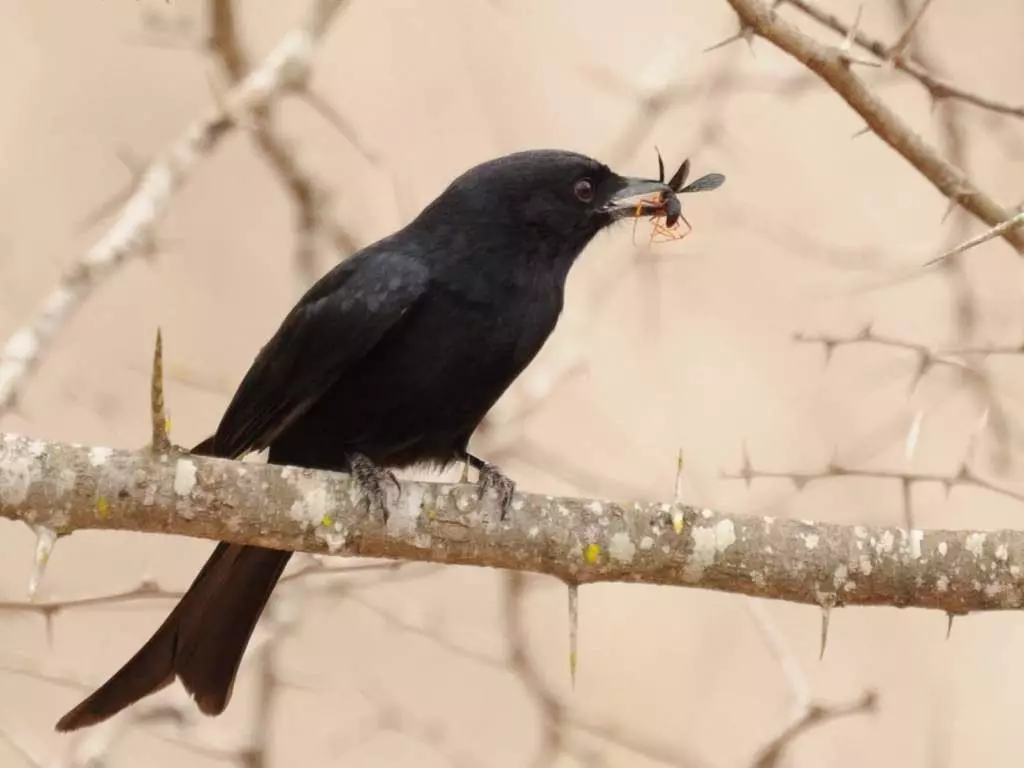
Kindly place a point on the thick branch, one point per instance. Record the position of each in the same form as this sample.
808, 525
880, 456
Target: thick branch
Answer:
134, 232
833, 66
68, 487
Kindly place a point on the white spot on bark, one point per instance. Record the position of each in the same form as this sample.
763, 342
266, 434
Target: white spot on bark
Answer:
992, 590
916, 537
810, 540
706, 513
15, 479
943, 548
840, 576
1002, 553
37, 448
707, 543
646, 543
759, 578
596, 507
886, 543
865, 565
184, 477
98, 455
860, 531
312, 506
942, 583
621, 548
975, 542
534, 532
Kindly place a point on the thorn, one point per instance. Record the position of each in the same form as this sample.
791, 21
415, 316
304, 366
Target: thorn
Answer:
908, 508
678, 488
949, 622
574, 618
747, 469
746, 33
161, 441
851, 33
913, 434
952, 205
829, 347
924, 364
800, 481
826, 616
45, 540
48, 628
865, 130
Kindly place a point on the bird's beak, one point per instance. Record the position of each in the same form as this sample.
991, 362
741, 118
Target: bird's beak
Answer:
637, 197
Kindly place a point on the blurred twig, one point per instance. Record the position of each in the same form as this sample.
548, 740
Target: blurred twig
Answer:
285, 68
818, 714
308, 195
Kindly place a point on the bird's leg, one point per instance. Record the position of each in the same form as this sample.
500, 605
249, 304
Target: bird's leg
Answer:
492, 477
372, 479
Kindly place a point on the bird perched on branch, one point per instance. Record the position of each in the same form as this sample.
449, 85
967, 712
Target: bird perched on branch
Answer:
391, 359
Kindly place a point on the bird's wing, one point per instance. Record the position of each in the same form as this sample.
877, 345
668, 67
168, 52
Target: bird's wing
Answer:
339, 320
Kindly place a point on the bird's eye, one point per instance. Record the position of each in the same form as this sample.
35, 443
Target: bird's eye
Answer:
584, 190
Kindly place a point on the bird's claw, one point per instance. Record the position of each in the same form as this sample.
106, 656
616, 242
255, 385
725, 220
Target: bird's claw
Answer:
504, 487
371, 479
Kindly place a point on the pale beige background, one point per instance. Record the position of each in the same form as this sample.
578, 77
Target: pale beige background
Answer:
689, 347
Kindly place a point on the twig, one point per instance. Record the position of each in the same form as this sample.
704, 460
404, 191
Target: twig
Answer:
134, 232
964, 477
830, 64
771, 756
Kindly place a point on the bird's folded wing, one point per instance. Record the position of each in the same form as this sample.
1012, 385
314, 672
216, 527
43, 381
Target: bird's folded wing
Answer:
340, 319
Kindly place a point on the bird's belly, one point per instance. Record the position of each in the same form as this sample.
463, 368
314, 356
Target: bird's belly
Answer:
418, 397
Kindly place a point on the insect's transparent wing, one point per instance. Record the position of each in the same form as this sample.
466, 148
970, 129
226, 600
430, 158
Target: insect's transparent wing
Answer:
704, 183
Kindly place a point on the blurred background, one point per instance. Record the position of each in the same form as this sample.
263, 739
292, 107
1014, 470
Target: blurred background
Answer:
692, 345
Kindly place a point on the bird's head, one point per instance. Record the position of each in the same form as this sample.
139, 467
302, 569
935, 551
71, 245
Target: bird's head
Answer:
550, 200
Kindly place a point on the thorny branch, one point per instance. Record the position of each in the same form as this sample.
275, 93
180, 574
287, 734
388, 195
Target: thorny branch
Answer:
66, 488
134, 232
937, 87
833, 65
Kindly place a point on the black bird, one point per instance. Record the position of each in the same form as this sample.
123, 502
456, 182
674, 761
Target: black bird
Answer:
391, 359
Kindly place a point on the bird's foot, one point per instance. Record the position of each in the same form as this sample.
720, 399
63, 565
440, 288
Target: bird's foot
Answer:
372, 480
492, 478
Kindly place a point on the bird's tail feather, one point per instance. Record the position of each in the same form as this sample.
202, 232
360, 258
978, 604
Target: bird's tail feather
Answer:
203, 639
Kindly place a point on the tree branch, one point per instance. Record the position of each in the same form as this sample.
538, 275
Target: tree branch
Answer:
833, 66
134, 233
70, 487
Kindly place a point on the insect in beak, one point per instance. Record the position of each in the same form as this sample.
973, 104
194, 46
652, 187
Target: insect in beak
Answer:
667, 204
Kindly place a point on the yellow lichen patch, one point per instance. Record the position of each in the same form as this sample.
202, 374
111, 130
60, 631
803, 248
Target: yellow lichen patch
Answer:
678, 521
102, 506
591, 553
327, 521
